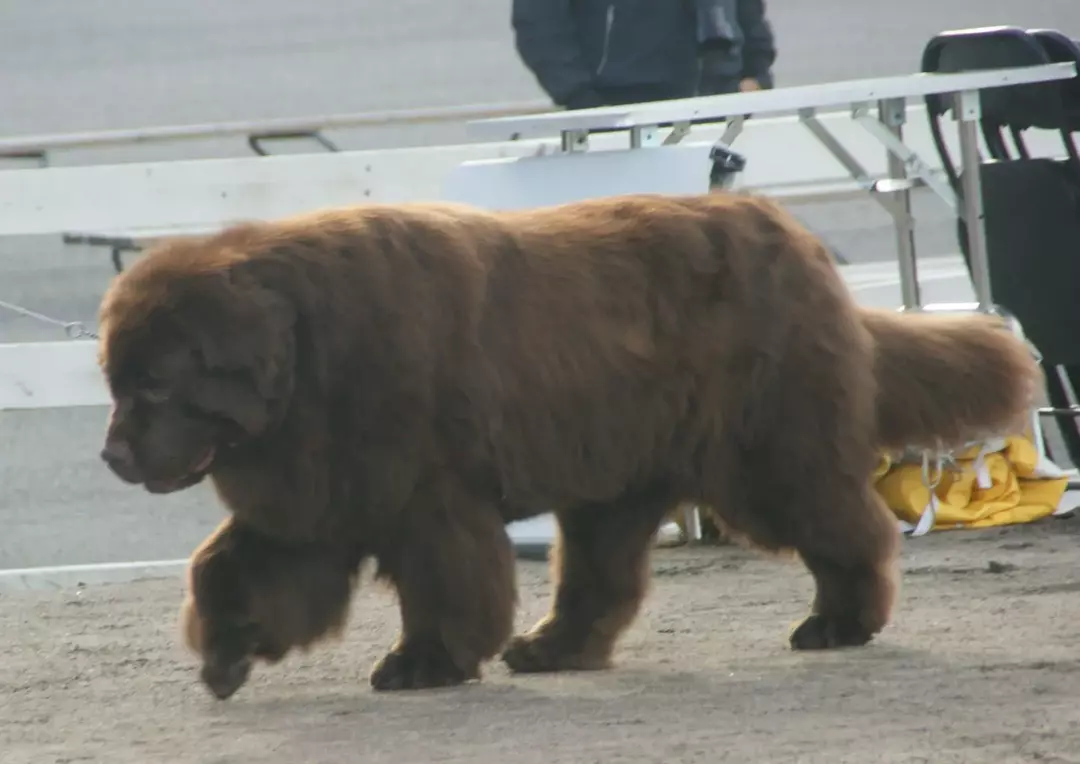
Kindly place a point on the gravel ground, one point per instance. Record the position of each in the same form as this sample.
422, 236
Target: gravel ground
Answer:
979, 665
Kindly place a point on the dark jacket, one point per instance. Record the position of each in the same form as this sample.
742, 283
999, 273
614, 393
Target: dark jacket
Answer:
736, 42
595, 52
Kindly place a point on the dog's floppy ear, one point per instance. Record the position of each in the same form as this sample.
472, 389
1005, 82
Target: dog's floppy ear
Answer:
256, 336
247, 345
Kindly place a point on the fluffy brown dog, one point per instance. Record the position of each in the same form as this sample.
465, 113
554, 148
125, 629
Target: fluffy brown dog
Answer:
398, 382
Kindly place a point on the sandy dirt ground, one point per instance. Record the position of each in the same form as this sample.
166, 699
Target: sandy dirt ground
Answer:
981, 664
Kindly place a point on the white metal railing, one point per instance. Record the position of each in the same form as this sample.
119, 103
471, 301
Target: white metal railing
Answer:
289, 127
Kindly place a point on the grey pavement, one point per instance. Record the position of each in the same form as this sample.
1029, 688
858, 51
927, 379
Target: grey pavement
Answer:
101, 64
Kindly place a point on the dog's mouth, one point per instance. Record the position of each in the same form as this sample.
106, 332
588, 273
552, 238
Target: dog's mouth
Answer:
194, 474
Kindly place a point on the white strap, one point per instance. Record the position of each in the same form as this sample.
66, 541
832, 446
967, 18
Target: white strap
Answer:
926, 519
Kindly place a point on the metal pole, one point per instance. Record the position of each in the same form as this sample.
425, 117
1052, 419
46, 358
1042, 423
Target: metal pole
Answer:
892, 113
967, 111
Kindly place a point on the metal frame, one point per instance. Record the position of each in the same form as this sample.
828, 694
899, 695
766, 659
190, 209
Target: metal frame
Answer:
889, 94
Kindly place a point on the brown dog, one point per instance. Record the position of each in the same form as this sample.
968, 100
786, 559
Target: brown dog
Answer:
396, 383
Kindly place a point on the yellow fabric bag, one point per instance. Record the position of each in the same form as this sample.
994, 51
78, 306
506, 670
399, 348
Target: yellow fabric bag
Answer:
1000, 482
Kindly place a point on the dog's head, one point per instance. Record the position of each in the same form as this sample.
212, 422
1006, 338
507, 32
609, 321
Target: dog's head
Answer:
251, 598
198, 354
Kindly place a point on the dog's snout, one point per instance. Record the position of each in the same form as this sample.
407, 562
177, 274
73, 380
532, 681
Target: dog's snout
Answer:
117, 453
120, 458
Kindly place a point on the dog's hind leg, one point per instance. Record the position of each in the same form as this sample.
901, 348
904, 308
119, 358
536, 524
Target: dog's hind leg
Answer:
851, 549
800, 479
788, 463
819, 507
600, 570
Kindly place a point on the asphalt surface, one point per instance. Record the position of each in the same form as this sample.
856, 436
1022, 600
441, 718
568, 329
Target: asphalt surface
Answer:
100, 64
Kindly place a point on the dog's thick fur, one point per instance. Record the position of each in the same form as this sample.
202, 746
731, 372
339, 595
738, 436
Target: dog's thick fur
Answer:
398, 382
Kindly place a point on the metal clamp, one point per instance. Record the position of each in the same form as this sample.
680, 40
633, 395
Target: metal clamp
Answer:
255, 139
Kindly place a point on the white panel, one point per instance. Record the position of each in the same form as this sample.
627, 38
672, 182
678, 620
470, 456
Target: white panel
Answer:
38, 375
535, 181
533, 536
214, 191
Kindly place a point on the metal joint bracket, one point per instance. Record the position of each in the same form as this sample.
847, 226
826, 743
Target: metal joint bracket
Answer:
733, 130
574, 140
809, 119
966, 105
643, 136
39, 158
860, 109
880, 192
892, 112
679, 130
912, 163
255, 140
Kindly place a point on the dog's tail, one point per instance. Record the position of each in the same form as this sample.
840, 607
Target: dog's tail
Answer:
949, 379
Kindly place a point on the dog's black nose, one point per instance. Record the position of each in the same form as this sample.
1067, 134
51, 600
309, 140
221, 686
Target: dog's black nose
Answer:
118, 455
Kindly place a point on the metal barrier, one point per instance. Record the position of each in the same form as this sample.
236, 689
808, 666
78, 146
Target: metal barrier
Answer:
256, 131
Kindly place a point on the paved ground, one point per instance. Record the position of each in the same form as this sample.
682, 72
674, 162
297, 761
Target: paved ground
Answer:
101, 64
979, 667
